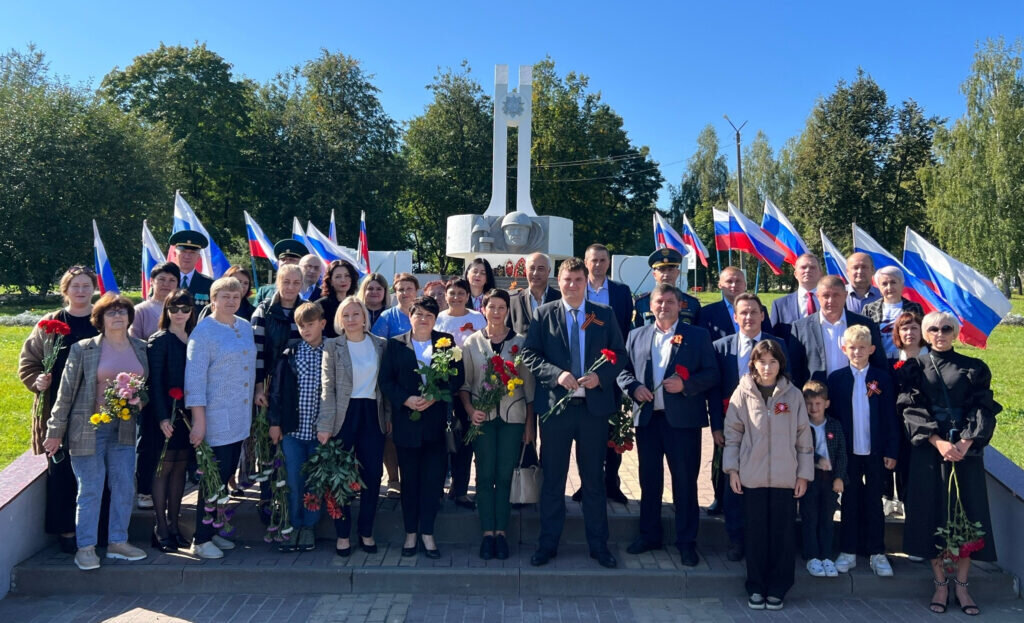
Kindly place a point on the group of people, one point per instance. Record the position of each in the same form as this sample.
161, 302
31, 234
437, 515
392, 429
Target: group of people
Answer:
805, 402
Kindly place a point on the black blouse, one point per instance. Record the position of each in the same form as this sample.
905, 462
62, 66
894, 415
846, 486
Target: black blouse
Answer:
167, 355
81, 329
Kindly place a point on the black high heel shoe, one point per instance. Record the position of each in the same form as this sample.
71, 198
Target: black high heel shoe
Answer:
181, 541
971, 610
164, 545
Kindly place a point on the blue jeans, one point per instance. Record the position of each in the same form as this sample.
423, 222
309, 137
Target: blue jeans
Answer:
296, 452
113, 463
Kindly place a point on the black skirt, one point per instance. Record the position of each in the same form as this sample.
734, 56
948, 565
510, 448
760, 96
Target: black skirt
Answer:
926, 501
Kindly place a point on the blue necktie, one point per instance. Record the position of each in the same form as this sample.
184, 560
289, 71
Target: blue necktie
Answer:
574, 345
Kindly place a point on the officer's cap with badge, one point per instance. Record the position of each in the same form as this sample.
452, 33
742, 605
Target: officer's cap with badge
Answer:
188, 239
290, 248
666, 257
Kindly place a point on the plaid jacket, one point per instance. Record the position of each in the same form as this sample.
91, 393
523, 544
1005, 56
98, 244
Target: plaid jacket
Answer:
836, 442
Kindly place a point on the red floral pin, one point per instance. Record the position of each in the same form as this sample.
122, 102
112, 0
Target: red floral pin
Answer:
683, 372
677, 339
781, 408
830, 436
873, 389
591, 318
899, 364
515, 349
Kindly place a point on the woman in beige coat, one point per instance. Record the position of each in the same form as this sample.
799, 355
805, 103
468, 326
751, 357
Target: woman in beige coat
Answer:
353, 410
503, 429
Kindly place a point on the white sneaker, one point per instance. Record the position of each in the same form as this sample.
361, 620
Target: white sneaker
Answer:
222, 543
207, 550
880, 565
815, 568
845, 562
915, 559
830, 568
888, 507
144, 501
86, 559
124, 551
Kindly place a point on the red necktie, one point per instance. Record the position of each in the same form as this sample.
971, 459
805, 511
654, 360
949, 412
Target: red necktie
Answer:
810, 304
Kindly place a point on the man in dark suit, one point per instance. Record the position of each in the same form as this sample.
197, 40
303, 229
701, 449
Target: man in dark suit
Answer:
601, 289
815, 344
718, 317
187, 245
524, 302
670, 366
564, 340
800, 304
665, 265
732, 354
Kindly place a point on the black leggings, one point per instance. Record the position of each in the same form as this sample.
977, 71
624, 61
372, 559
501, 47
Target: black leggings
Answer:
168, 489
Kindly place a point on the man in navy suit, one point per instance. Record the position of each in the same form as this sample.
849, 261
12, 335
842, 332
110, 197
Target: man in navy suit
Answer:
564, 340
815, 344
601, 289
718, 317
524, 302
669, 368
800, 304
665, 265
732, 354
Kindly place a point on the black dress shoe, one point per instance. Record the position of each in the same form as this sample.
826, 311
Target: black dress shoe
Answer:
369, 549
487, 547
616, 495
688, 556
714, 509
68, 545
164, 545
735, 552
433, 554
182, 542
576, 497
500, 547
408, 552
605, 559
640, 546
344, 552
541, 557
465, 503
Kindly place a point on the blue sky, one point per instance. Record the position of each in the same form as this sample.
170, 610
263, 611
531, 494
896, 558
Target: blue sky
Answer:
668, 68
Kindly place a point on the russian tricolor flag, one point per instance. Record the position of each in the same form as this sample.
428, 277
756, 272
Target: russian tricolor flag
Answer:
212, 262
723, 241
914, 288
326, 250
300, 235
151, 256
691, 240
835, 261
333, 233
975, 300
666, 237
259, 244
363, 248
104, 271
776, 225
746, 235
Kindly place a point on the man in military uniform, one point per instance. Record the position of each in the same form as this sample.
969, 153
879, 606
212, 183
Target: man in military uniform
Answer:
187, 245
664, 265
287, 251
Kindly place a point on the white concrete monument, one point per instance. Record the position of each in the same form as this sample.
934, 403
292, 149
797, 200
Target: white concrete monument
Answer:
506, 238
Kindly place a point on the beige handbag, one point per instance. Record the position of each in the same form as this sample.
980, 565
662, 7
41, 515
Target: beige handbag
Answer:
526, 482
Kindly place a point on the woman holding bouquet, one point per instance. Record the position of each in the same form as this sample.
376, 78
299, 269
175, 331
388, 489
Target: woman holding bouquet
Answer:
502, 427
421, 403
76, 287
164, 422
100, 450
950, 415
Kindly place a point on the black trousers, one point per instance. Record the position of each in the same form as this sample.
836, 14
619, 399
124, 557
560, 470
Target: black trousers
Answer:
460, 462
422, 472
897, 487
770, 543
862, 530
557, 436
361, 431
656, 442
817, 507
227, 462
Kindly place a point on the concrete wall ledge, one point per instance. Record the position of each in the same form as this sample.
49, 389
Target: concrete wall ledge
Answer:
22, 510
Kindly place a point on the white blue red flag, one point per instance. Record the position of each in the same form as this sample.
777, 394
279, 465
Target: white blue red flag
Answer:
363, 248
975, 300
300, 235
667, 237
104, 271
723, 241
259, 244
691, 240
776, 225
212, 262
835, 261
151, 256
327, 251
914, 288
333, 232
746, 235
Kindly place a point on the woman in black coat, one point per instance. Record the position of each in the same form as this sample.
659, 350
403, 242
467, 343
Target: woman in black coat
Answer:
949, 414
418, 424
340, 282
165, 416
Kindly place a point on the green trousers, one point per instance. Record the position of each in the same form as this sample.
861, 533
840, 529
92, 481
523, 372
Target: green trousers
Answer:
497, 451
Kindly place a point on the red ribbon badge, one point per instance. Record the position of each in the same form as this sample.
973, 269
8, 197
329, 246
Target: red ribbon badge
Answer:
899, 364
830, 436
873, 389
591, 318
781, 408
677, 339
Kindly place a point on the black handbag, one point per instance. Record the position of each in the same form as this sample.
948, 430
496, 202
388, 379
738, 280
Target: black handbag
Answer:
949, 418
452, 433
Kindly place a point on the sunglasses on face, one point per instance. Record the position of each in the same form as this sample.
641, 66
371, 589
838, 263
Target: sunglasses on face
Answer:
179, 309
946, 330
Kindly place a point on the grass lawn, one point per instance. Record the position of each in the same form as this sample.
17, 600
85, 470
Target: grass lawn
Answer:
1004, 355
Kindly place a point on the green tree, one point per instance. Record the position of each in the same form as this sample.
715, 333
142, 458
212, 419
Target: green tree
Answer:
974, 191
704, 186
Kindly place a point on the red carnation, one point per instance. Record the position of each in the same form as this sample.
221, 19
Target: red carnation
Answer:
311, 502
898, 365
497, 362
683, 372
628, 445
515, 349
175, 393
620, 449
511, 367
611, 444
504, 378
609, 355
354, 486
333, 510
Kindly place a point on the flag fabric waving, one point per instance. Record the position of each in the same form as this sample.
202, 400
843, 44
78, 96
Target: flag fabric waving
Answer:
722, 239
746, 235
327, 251
151, 256
691, 240
363, 247
301, 236
975, 300
212, 262
667, 237
776, 225
104, 271
835, 261
333, 232
259, 243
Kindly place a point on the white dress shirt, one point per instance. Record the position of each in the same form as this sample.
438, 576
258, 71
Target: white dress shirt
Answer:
832, 335
580, 319
364, 368
424, 355
861, 413
801, 297
661, 356
743, 349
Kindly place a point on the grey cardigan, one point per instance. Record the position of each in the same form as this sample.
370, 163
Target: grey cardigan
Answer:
336, 385
76, 398
476, 352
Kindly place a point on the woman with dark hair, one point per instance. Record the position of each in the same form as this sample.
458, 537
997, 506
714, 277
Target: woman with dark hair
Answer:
166, 419
418, 423
909, 343
340, 282
245, 308
77, 286
373, 292
481, 279
164, 279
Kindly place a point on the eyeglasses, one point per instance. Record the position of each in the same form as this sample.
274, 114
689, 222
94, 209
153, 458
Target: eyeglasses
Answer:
179, 309
120, 311
946, 330
80, 270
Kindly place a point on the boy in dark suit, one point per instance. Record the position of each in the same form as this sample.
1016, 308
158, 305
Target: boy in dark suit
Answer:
819, 503
863, 399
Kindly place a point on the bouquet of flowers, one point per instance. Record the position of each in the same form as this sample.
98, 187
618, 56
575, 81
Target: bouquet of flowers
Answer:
622, 436
270, 467
962, 536
501, 379
55, 330
280, 525
122, 399
332, 475
607, 355
176, 394
438, 373
212, 492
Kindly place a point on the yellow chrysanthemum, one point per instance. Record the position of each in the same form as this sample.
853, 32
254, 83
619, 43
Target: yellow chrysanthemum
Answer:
104, 418
125, 412
122, 402
95, 419
443, 343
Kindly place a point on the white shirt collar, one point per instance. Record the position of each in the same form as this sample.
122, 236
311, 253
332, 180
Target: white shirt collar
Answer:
671, 331
839, 323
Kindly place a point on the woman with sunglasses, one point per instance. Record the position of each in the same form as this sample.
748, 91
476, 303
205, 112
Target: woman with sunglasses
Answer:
340, 282
950, 415
164, 420
77, 286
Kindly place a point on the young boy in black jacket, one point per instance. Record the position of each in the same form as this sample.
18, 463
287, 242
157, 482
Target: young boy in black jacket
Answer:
818, 505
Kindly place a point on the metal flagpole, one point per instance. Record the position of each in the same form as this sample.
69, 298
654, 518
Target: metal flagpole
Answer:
757, 276
255, 276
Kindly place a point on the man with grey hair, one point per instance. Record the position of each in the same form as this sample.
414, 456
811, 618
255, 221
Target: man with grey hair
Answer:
524, 302
860, 267
312, 271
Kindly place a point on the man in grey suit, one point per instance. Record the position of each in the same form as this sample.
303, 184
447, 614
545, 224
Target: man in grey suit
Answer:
564, 340
799, 304
815, 346
524, 302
